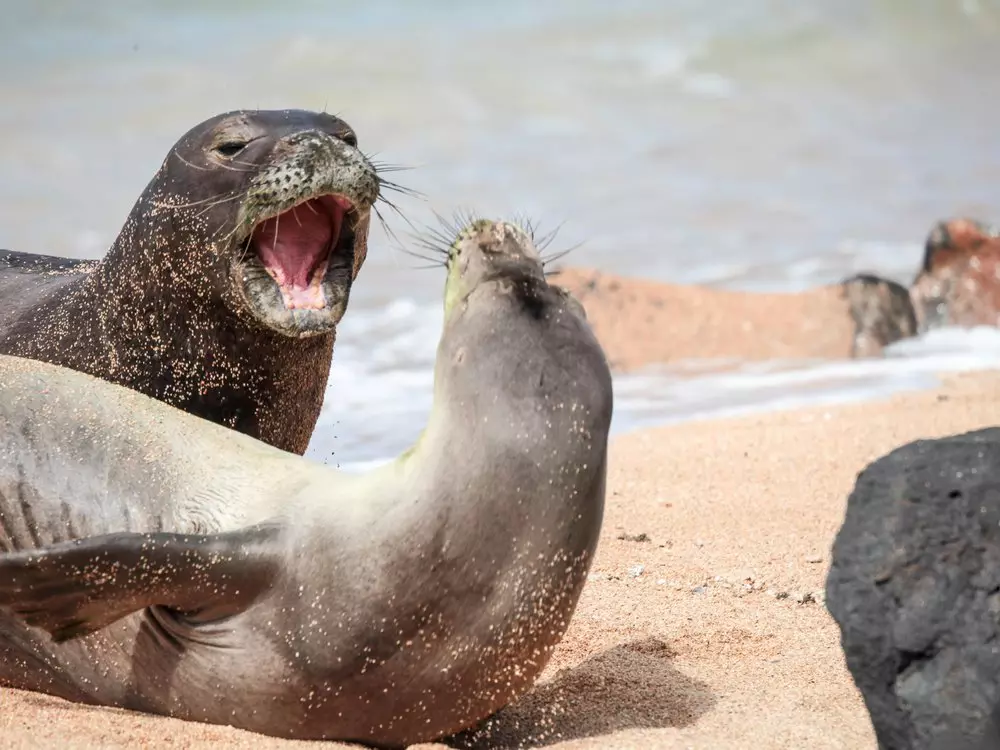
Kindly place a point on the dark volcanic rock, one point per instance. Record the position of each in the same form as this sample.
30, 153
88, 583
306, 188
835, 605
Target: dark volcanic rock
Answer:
915, 587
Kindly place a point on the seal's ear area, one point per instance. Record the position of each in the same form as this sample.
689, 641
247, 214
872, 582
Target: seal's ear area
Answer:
882, 312
76, 588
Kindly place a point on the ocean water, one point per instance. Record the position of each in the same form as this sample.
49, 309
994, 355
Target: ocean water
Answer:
757, 144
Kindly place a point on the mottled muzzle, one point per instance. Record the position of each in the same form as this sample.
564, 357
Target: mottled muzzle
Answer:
302, 232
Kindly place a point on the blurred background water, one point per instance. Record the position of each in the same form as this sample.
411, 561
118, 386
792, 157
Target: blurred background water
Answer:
756, 144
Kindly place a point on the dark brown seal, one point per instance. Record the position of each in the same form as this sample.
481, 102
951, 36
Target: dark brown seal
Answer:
959, 281
222, 293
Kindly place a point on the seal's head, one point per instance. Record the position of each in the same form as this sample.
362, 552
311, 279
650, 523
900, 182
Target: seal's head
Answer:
485, 251
497, 299
271, 209
959, 281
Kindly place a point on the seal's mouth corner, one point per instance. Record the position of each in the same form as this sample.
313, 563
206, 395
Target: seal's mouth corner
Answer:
296, 246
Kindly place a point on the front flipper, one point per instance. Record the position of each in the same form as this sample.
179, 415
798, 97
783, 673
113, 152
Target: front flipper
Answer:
75, 588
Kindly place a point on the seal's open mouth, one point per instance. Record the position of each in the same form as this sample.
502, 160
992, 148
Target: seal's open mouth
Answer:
295, 247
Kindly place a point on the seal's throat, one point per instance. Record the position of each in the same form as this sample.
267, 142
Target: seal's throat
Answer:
295, 247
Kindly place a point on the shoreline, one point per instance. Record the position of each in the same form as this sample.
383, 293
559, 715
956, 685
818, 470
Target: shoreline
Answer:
702, 624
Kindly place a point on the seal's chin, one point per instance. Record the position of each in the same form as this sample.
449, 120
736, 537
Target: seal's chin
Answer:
297, 272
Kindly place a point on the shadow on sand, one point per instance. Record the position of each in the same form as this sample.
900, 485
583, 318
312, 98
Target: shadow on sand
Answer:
632, 686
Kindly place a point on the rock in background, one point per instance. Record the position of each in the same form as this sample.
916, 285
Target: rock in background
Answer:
914, 585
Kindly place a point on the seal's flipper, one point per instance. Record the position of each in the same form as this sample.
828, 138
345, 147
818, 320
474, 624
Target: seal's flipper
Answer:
75, 588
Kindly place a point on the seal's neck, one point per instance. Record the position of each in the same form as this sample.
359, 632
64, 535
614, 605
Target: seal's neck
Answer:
517, 368
164, 327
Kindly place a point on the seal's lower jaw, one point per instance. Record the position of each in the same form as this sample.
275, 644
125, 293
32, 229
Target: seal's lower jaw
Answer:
298, 266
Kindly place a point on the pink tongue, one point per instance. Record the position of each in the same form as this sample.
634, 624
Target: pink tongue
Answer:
293, 245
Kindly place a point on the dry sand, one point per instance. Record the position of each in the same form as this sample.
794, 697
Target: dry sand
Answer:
685, 639
640, 322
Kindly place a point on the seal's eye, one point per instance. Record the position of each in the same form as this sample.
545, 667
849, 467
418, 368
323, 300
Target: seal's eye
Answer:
230, 148
349, 138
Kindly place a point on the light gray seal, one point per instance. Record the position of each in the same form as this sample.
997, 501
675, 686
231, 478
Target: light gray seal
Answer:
222, 292
187, 570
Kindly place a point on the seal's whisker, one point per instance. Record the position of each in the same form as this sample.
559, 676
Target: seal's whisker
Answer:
185, 161
395, 187
454, 226
385, 225
560, 254
208, 169
464, 218
442, 240
381, 167
440, 234
234, 169
384, 166
231, 233
246, 250
294, 214
525, 222
434, 239
438, 239
531, 227
388, 166
544, 241
214, 200
396, 210
309, 205
435, 262
219, 202
251, 167
431, 245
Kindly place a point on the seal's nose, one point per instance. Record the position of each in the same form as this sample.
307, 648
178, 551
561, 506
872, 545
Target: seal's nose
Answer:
508, 240
305, 139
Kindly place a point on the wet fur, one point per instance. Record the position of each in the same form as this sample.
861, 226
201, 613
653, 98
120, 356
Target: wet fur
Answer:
160, 313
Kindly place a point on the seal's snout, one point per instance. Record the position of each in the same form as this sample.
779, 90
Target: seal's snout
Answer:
496, 240
307, 212
492, 252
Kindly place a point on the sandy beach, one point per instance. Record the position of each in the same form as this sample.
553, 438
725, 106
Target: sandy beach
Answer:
702, 625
